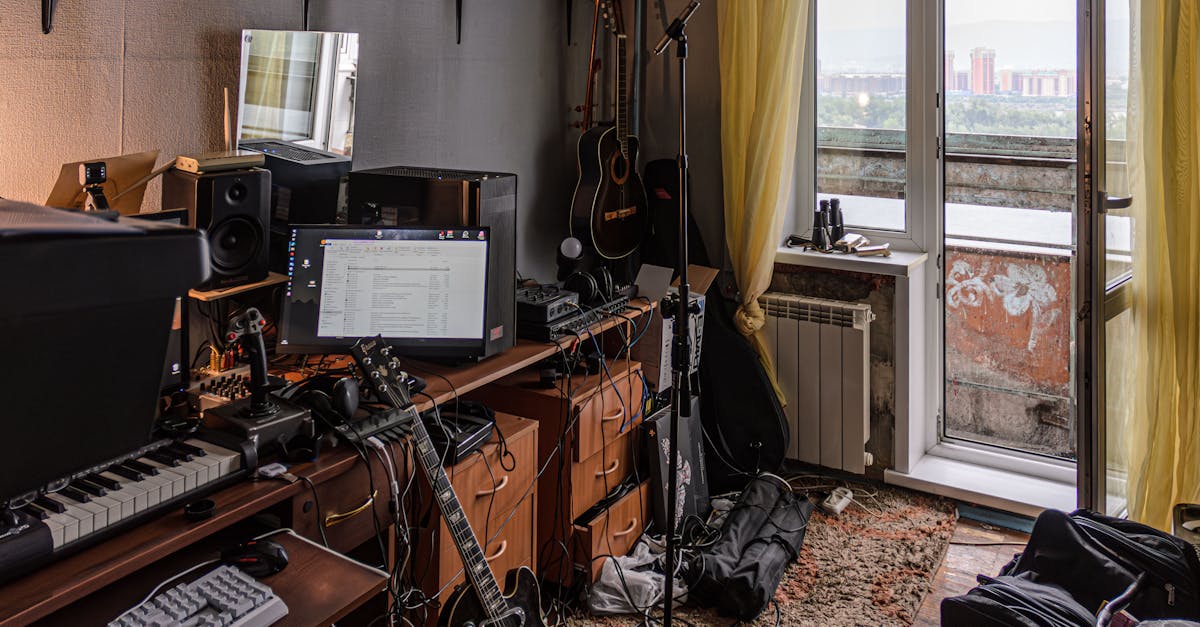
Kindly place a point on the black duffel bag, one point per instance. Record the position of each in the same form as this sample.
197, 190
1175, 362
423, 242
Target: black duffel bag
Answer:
1104, 565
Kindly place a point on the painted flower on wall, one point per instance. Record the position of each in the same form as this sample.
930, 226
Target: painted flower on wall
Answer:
963, 287
1026, 288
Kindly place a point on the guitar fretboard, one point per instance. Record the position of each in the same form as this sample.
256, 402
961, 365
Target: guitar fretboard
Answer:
622, 101
474, 562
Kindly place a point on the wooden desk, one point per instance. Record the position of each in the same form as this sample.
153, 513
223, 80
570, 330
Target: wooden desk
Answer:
68, 580
318, 586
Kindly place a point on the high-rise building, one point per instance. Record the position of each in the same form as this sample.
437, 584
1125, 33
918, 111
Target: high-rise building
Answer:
1006, 81
983, 71
948, 70
962, 81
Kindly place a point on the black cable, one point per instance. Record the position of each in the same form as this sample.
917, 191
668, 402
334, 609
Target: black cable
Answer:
317, 510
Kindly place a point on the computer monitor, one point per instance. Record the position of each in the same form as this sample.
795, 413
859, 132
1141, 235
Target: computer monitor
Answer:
423, 289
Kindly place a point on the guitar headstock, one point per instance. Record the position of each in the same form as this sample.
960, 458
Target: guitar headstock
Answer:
614, 18
382, 370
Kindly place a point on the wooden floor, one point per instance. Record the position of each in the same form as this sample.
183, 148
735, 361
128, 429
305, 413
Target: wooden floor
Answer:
963, 562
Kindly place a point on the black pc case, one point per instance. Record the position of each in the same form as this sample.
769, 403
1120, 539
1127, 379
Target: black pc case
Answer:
431, 197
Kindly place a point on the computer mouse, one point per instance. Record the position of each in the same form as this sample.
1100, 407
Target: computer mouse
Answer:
257, 558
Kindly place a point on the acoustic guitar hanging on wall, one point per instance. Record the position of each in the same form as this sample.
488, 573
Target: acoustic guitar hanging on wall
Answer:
609, 206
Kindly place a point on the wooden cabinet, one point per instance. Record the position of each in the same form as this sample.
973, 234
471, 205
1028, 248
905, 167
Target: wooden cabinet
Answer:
500, 504
596, 421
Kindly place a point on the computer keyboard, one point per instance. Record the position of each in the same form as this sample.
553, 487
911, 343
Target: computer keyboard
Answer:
225, 596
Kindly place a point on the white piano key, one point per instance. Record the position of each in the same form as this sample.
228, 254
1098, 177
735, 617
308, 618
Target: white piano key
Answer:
56, 531
128, 497
178, 479
68, 528
160, 488
86, 518
199, 470
113, 506
230, 461
99, 513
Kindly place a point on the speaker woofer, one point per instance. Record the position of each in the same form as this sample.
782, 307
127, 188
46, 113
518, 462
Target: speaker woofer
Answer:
235, 243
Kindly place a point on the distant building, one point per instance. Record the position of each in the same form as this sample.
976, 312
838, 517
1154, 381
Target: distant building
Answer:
948, 71
983, 71
1006, 81
851, 84
962, 81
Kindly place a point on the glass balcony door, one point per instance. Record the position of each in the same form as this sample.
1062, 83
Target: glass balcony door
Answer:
1107, 346
1009, 248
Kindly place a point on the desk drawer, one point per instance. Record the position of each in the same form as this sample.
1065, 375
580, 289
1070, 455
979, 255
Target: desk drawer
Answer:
596, 476
500, 489
604, 413
615, 531
512, 547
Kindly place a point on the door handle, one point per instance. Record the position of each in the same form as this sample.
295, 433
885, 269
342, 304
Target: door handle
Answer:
1115, 202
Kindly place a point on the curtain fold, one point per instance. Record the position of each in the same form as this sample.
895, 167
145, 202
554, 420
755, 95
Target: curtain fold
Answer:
761, 46
1163, 157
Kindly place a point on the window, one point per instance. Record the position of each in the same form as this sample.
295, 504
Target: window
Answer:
1009, 246
949, 126
862, 105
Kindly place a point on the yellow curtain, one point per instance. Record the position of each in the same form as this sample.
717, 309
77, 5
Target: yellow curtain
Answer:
1164, 169
761, 50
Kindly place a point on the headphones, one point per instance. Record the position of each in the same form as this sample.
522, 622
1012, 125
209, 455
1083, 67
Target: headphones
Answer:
594, 287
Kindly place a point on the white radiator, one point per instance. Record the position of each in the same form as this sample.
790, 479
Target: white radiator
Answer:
822, 353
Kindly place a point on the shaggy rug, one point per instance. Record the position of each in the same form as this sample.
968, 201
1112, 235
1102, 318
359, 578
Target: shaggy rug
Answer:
872, 565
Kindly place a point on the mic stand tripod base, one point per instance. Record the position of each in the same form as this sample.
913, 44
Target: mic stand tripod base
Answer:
262, 429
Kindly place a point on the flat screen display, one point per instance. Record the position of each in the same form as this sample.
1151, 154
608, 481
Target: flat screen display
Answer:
417, 287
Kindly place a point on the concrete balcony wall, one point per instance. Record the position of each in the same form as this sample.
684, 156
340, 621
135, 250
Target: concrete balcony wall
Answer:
1008, 344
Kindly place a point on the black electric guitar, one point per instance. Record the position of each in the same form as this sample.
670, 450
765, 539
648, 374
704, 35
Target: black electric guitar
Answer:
609, 206
481, 603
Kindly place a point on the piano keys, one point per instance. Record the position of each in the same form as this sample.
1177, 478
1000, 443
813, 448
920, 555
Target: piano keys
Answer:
94, 502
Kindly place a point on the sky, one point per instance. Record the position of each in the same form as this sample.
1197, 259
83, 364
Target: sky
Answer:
1026, 34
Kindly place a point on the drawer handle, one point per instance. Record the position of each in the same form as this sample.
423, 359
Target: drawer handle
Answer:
335, 518
610, 470
629, 530
499, 486
499, 550
614, 416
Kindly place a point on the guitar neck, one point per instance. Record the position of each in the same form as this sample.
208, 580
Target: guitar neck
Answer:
622, 99
474, 562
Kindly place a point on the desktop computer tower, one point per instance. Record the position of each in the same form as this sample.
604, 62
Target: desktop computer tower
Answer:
306, 188
431, 197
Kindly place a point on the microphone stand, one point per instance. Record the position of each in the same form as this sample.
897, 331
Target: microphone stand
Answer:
681, 402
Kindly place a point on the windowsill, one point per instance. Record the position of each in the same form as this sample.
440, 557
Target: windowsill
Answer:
982, 485
900, 263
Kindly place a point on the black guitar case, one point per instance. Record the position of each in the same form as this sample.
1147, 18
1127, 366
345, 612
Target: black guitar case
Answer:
661, 246
746, 432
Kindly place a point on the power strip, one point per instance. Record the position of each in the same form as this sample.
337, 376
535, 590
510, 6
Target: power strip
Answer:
837, 501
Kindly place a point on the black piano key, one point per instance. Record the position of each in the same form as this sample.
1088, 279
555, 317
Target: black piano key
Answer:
89, 487
145, 469
188, 448
178, 453
76, 494
164, 458
104, 482
128, 473
50, 505
36, 512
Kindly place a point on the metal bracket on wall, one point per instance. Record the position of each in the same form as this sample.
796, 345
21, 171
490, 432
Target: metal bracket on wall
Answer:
458, 20
48, 7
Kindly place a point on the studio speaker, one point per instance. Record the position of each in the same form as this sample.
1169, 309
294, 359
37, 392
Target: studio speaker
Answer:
233, 209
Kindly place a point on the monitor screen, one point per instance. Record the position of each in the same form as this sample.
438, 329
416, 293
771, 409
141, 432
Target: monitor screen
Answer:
421, 288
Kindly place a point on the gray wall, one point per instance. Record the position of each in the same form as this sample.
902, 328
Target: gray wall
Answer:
660, 119
120, 76
496, 102
114, 77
